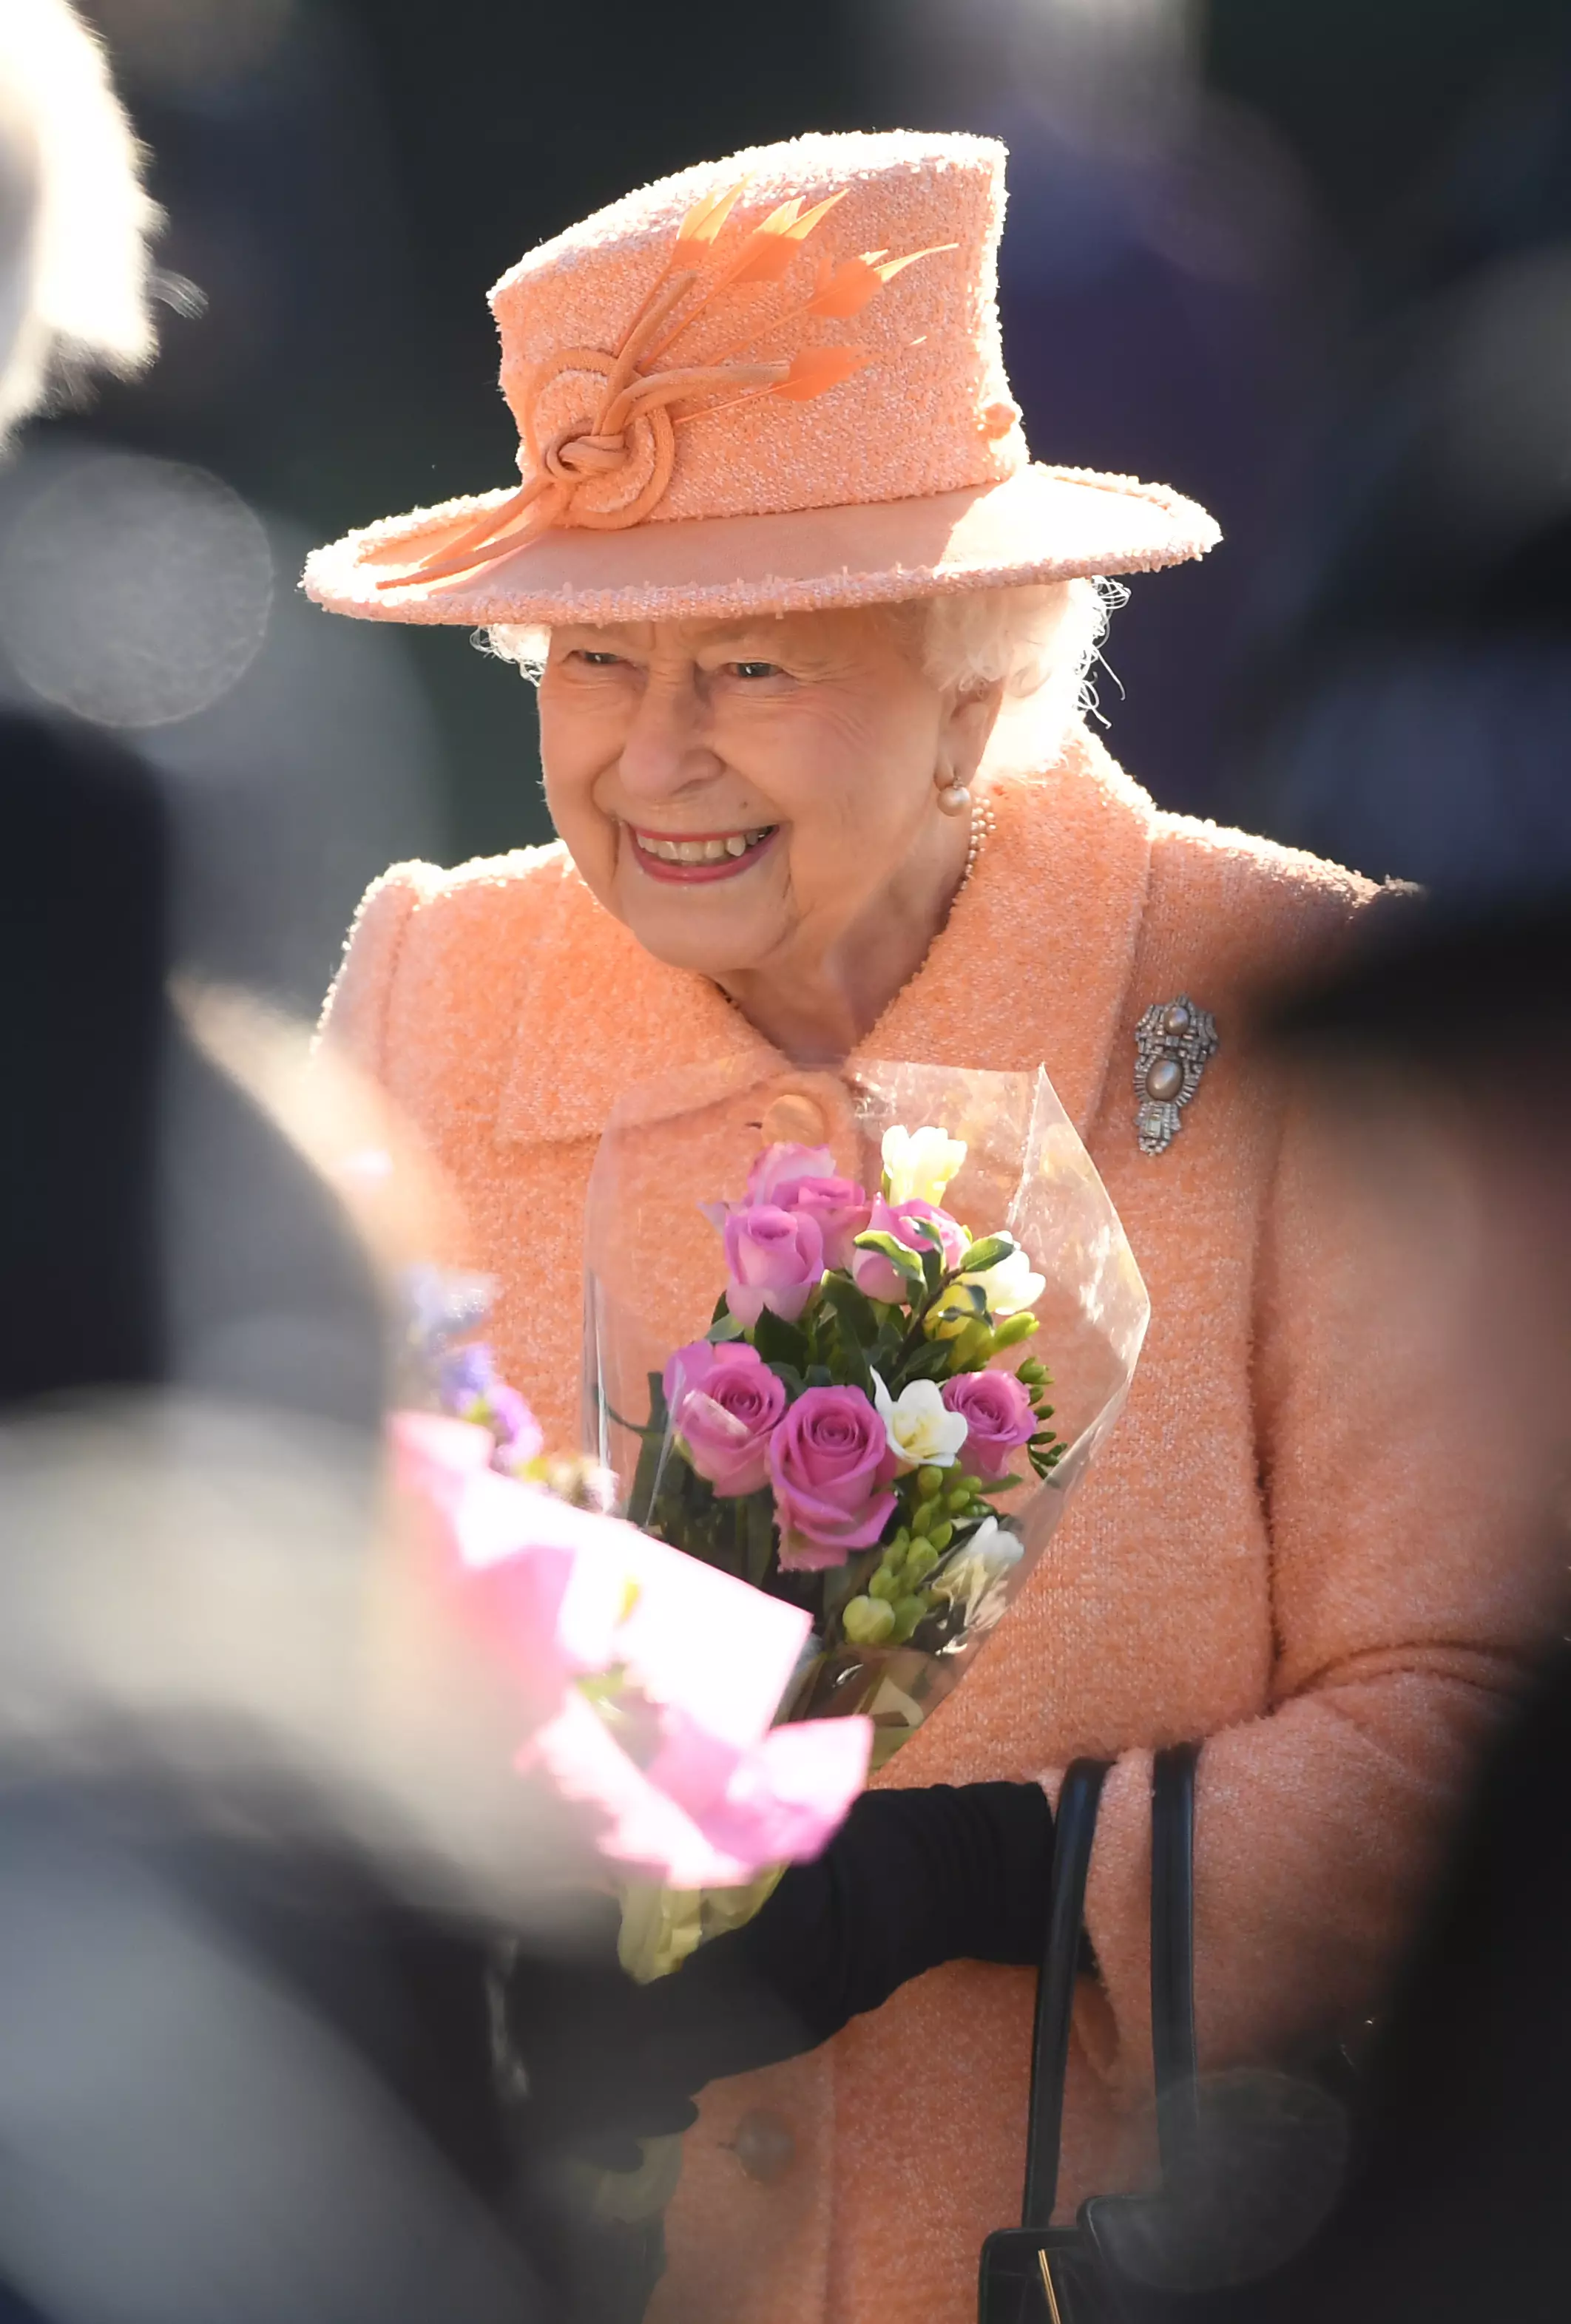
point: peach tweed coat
(1267, 1554)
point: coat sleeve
(354, 1017)
(1407, 1599)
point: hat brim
(1042, 524)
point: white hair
(75, 220)
(1041, 643)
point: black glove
(911, 1879)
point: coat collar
(1031, 968)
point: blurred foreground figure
(246, 1891)
(121, 1147)
(74, 219)
(243, 2064)
(1448, 1065)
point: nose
(665, 751)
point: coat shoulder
(1248, 899)
(483, 917)
(486, 886)
(422, 927)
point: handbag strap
(1173, 2042)
(1173, 1952)
(1075, 1827)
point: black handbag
(1037, 2273)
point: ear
(969, 719)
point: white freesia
(970, 1578)
(922, 1432)
(1009, 1287)
(994, 1546)
(918, 1163)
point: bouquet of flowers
(864, 1429)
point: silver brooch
(1174, 1042)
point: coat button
(765, 2147)
(793, 1119)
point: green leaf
(728, 1328)
(760, 1507)
(905, 1262)
(932, 1270)
(641, 1499)
(853, 1309)
(988, 1253)
(788, 1377)
(780, 1343)
(821, 1376)
(854, 1363)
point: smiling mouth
(700, 856)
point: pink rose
(691, 1366)
(776, 1261)
(874, 1272)
(998, 1417)
(777, 1168)
(829, 1462)
(841, 1208)
(724, 1419)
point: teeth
(702, 851)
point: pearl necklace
(981, 832)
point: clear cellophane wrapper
(655, 1268)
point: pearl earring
(954, 798)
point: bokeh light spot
(135, 592)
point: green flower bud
(867, 1621)
(968, 1485)
(897, 1547)
(884, 1584)
(959, 1500)
(923, 1518)
(930, 1483)
(974, 1346)
(1033, 1374)
(907, 1614)
(1017, 1328)
(940, 1535)
(922, 1561)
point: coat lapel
(596, 1014)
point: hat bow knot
(599, 429)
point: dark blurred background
(1311, 264)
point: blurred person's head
(75, 220)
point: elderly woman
(812, 635)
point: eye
(593, 659)
(756, 670)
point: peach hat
(767, 383)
